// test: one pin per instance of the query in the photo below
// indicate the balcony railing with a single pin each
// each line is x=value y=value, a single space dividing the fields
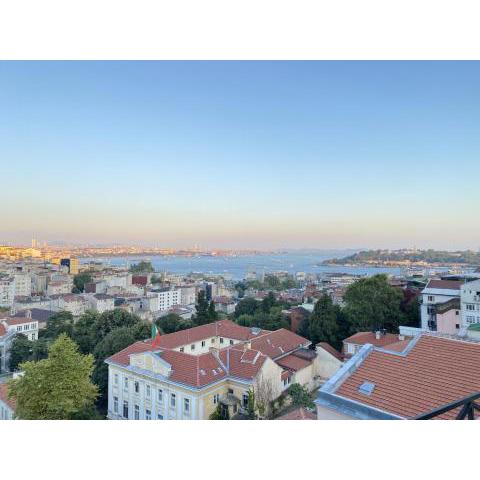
x=468 y=408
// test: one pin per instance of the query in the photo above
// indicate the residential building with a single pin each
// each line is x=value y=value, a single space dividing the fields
x=23 y=284
x=164 y=298
x=470 y=303
x=100 y=302
x=7 y=291
x=25 y=325
x=436 y=292
x=188 y=374
x=224 y=305
x=388 y=382
x=38 y=314
x=6 y=338
x=188 y=294
x=59 y=287
x=299 y=413
x=75 y=304
x=7 y=406
x=354 y=343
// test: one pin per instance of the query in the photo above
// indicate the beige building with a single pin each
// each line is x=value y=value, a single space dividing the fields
x=188 y=374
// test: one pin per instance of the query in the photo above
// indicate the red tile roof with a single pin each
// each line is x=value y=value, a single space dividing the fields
x=298 y=414
x=362 y=338
x=19 y=320
x=293 y=363
x=4 y=396
x=445 y=284
x=434 y=372
x=279 y=342
x=3 y=331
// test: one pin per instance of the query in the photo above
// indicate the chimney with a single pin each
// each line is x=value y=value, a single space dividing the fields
x=378 y=335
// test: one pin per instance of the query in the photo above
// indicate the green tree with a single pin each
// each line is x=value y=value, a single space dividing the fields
x=300 y=396
x=247 y=306
x=245 y=320
x=61 y=322
x=84 y=331
x=172 y=323
x=40 y=349
x=411 y=309
x=323 y=325
x=20 y=351
x=142 y=267
x=212 y=313
x=112 y=319
x=372 y=304
x=80 y=280
x=268 y=302
x=56 y=388
x=202 y=316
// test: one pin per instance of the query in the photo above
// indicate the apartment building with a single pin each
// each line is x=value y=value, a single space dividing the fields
x=7 y=291
x=59 y=287
x=164 y=298
x=188 y=374
x=23 y=284
x=470 y=303
x=435 y=293
x=75 y=304
x=100 y=302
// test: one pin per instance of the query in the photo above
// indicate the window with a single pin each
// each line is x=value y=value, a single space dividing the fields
x=137 y=387
x=457 y=326
x=125 y=383
x=245 y=400
x=160 y=395
x=470 y=319
x=186 y=405
x=160 y=416
x=148 y=414
x=125 y=409
x=212 y=340
x=470 y=306
x=216 y=397
x=115 y=404
x=431 y=298
x=230 y=391
x=25 y=327
x=173 y=400
x=19 y=328
x=182 y=349
x=192 y=346
x=147 y=388
x=231 y=342
x=32 y=326
x=137 y=412
x=221 y=340
x=115 y=379
x=203 y=343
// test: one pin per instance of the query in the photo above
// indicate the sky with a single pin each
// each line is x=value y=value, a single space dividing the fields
x=241 y=154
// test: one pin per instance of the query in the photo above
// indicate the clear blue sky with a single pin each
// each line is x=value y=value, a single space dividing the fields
x=241 y=154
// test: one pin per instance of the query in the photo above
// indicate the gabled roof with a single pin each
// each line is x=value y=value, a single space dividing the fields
x=435 y=371
x=332 y=351
x=361 y=338
x=298 y=414
x=278 y=343
x=445 y=284
x=293 y=363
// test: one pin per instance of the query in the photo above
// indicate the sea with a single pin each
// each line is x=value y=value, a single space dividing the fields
x=237 y=267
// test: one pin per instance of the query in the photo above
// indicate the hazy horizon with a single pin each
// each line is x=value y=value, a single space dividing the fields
x=266 y=155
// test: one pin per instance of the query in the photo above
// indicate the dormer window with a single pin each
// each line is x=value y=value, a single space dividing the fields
x=192 y=346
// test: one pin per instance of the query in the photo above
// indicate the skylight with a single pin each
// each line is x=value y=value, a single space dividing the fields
x=366 y=388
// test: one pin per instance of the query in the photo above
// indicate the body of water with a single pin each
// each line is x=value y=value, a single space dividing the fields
x=238 y=267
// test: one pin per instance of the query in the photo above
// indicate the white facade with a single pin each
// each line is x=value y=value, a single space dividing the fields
x=188 y=295
x=7 y=291
x=101 y=302
x=164 y=299
x=431 y=297
x=470 y=303
x=23 y=285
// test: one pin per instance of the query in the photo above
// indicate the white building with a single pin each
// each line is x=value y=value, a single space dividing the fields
x=59 y=287
x=100 y=302
x=7 y=291
x=470 y=303
x=25 y=325
x=436 y=292
x=23 y=284
x=7 y=406
x=188 y=295
x=164 y=298
x=75 y=304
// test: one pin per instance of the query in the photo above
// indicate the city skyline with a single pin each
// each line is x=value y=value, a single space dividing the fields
x=264 y=155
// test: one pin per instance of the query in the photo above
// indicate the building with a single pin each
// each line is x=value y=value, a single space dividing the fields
x=7 y=291
x=354 y=343
x=299 y=413
x=224 y=305
x=59 y=287
x=386 y=383
x=188 y=374
x=470 y=303
x=100 y=302
x=7 y=406
x=23 y=284
x=188 y=294
x=39 y=314
x=25 y=325
x=164 y=298
x=6 y=338
x=436 y=292
x=75 y=304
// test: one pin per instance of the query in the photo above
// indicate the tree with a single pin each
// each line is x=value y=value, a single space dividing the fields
x=80 y=280
x=268 y=302
x=323 y=326
x=56 y=388
x=212 y=313
x=247 y=306
x=251 y=404
x=202 y=316
x=40 y=349
x=20 y=351
x=245 y=320
x=112 y=319
x=84 y=331
x=142 y=267
x=300 y=396
x=61 y=322
x=172 y=323
x=410 y=306
x=264 y=394
x=372 y=304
